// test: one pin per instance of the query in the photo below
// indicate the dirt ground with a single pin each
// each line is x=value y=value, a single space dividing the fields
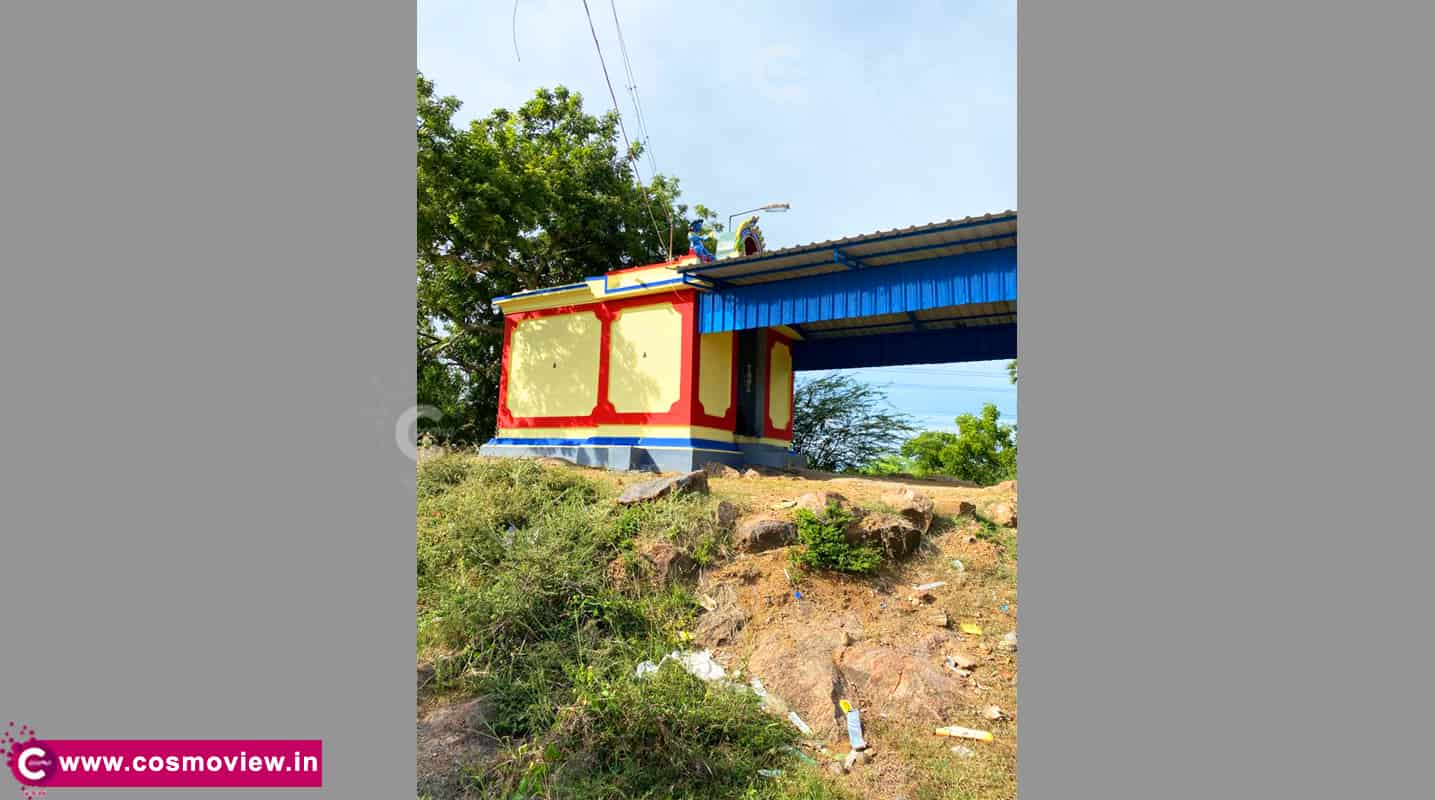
x=910 y=761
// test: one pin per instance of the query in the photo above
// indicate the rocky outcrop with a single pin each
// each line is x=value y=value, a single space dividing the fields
x=913 y=506
x=648 y=491
x=764 y=532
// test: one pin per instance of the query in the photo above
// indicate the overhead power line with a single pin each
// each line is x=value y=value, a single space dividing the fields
x=648 y=203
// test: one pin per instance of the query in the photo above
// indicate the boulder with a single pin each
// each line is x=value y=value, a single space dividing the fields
x=900 y=684
x=647 y=491
x=726 y=514
x=801 y=672
x=751 y=474
x=657 y=564
x=669 y=562
x=718 y=469
x=763 y=532
x=721 y=623
x=897 y=536
x=963 y=508
x=912 y=505
x=1003 y=514
x=817 y=502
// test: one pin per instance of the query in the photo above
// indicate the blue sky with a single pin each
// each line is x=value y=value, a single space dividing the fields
x=862 y=116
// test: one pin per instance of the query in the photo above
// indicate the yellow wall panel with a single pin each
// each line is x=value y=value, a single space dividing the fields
x=779 y=385
x=715 y=380
x=645 y=364
x=553 y=366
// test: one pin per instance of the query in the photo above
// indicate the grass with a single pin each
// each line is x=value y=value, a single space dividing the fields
x=516 y=604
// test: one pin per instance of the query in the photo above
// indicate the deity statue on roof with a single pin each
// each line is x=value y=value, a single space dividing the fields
x=696 y=246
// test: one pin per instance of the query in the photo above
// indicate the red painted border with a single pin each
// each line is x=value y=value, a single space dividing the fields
x=681 y=412
x=773 y=338
x=728 y=421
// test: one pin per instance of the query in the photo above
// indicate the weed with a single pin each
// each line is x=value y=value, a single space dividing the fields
x=513 y=584
x=825 y=546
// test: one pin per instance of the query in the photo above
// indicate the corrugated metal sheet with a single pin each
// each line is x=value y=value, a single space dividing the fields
x=878 y=249
x=929 y=285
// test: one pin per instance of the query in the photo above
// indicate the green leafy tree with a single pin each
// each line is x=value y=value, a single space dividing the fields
x=539 y=196
x=840 y=423
x=982 y=450
x=1011 y=371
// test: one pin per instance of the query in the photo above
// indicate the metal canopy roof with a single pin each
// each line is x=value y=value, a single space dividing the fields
x=878 y=249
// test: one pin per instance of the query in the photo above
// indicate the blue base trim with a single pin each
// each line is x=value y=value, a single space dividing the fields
x=627 y=441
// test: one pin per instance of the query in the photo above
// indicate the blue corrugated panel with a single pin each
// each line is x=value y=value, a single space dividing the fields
x=985 y=277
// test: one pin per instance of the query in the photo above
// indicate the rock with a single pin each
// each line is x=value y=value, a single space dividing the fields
x=962 y=660
x=940 y=640
x=1003 y=514
x=853 y=759
x=963 y=751
x=817 y=502
x=656 y=564
x=669 y=562
x=912 y=505
x=846 y=639
x=964 y=507
x=647 y=491
x=1008 y=642
x=939 y=619
x=778 y=506
x=801 y=672
x=901 y=684
x=726 y=514
x=719 y=470
x=836 y=769
x=1006 y=486
x=897 y=536
x=723 y=620
x=553 y=461
x=452 y=738
x=751 y=474
x=994 y=713
x=759 y=533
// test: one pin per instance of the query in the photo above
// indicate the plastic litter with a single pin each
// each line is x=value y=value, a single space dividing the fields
x=958 y=565
x=965 y=733
x=971 y=628
x=698 y=664
x=926 y=587
x=797 y=721
x=854 y=726
x=805 y=757
x=770 y=773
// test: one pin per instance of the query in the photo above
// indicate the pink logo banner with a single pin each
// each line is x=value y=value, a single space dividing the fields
x=167 y=763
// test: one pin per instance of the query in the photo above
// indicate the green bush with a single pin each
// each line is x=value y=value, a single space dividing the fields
x=982 y=449
x=824 y=543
